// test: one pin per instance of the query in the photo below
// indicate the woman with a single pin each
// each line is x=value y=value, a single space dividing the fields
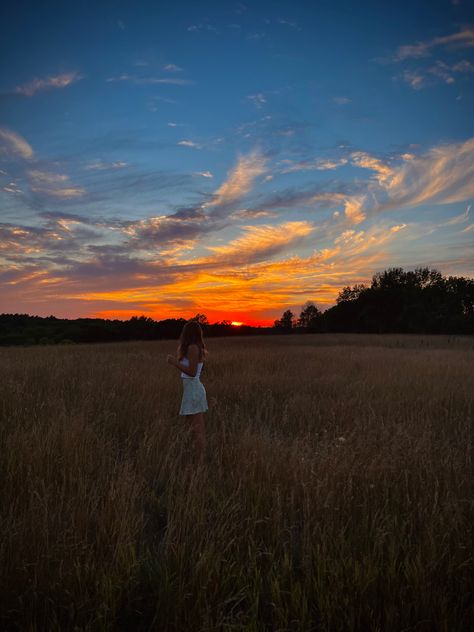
x=190 y=360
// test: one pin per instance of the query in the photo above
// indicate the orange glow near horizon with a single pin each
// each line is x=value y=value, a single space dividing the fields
x=213 y=317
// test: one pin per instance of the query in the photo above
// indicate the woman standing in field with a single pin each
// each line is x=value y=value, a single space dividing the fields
x=190 y=360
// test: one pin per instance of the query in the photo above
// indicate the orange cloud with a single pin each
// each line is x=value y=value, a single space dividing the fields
x=234 y=291
x=239 y=180
x=259 y=242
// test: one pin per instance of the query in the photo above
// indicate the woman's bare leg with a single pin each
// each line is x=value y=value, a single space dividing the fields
x=199 y=431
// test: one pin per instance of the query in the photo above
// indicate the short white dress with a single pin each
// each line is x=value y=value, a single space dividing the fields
x=194 y=394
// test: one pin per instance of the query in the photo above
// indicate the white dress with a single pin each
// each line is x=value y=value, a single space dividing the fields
x=194 y=394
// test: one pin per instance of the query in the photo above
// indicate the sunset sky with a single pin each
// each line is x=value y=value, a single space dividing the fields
x=232 y=158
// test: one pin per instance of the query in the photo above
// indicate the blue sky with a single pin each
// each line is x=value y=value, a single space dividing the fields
x=234 y=158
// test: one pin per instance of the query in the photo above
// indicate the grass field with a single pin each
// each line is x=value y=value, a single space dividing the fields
x=336 y=493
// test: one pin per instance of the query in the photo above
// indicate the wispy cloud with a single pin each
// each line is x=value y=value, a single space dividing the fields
x=248 y=213
x=443 y=175
x=258 y=243
x=204 y=174
x=341 y=100
x=354 y=209
x=12 y=144
x=258 y=99
x=196 y=28
x=190 y=143
x=364 y=160
x=448 y=73
x=291 y=23
x=151 y=80
x=414 y=78
x=422 y=76
x=44 y=182
x=99 y=165
x=311 y=165
x=38 y=85
x=56 y=185
x=239 y=180
x=461 y=39
x=172 y=68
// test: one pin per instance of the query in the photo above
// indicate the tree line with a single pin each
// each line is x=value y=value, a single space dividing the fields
x=397 y=301
x=421 y=301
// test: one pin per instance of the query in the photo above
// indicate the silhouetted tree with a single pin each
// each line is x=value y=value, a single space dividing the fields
x=309 y=317
x=351 y=293
x=417 y=301
x=286 y=322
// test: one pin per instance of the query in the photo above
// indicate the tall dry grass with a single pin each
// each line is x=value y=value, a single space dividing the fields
x=336 y=494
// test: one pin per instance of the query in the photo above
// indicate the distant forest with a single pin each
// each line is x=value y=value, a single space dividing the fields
x=422 y=301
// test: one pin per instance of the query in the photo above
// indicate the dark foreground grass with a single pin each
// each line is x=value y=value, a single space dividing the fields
x=336 y=494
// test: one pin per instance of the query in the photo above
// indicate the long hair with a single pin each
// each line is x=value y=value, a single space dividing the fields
x=191 y=335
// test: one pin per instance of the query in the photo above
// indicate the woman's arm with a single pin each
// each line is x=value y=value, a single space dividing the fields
x=193 y=357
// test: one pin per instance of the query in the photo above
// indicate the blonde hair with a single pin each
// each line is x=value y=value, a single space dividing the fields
x=191 y=334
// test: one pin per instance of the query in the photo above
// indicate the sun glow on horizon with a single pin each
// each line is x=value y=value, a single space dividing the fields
x=236 y=323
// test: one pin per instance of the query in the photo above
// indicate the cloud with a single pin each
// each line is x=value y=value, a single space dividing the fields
x=440 y=69
x=65 y=192
x=204 y=174
x=56 y=185
x=168 y=231
x=341 y=100
x=443 y=175
x=57 y=234
x=248 y=213
x=462 y=39
x=318 y=165
x=313 y=197
x=12 y=144
x=41 y=182
x=239 y=180
x=189 y=143
x=446 y=72
x=258 y=99
x=38 y=85
x=415 y=79
x=151 y=80
x=172 y=68
x=458 y=219
x=98 y=165
x=115 y=264
x=353 y=209
x=195 y=28
x=44 y=177
x=366 y=161
x=291 y=23
x=259 y=243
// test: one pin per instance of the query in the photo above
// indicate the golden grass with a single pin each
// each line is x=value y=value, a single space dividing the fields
x=336 y=494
